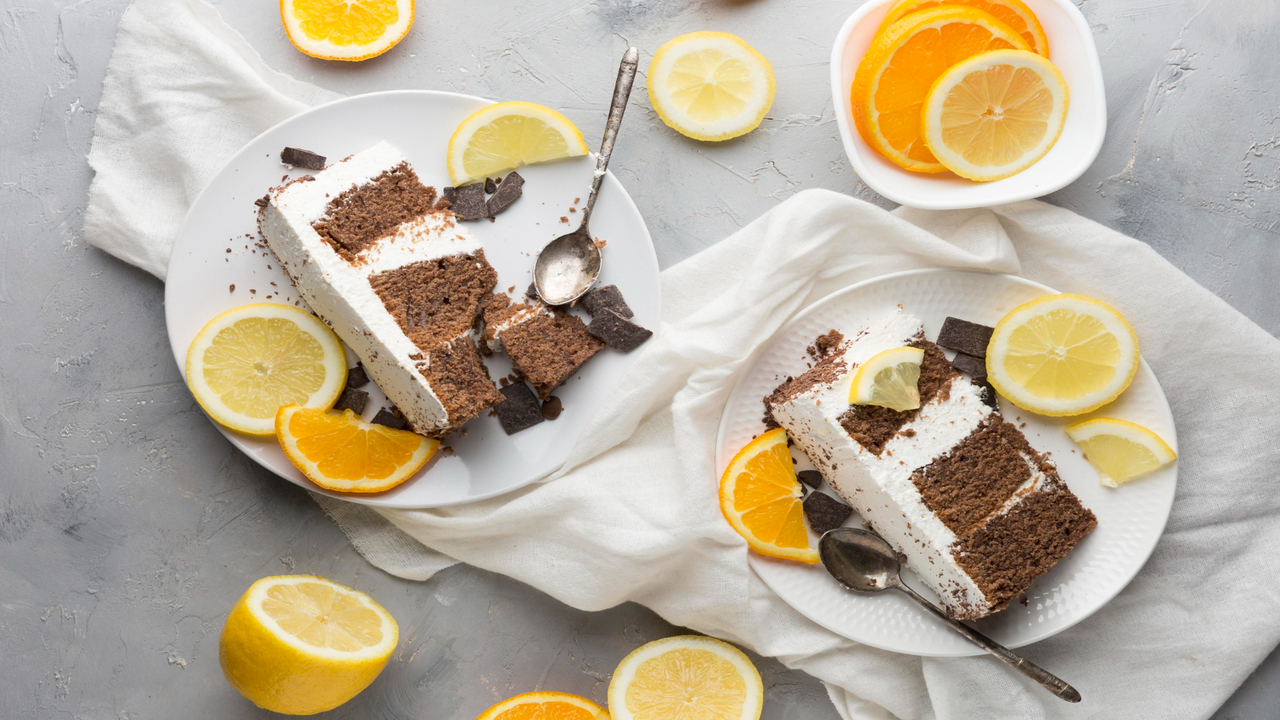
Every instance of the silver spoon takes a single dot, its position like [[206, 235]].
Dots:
[[569, 265], [863, 562]]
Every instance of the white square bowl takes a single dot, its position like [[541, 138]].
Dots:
[[1071, 48]]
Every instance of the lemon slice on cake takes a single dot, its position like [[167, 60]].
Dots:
[[710, 85], [299, 644], [1062, 355], [687, 677], [889, 379], [1120, 450], [247, 362], [506, 135], [346, 29]]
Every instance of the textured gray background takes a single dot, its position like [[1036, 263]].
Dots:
[[128, 526]]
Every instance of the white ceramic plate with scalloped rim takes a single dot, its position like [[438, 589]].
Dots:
[[1071, 48], [1130, 518], [216, 248]]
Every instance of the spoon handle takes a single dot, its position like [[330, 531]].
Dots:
[[621, 93], [1048, 680]]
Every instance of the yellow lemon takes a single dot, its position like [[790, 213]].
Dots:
[[687, 677], [889, 379], [710, 85], [506, 135], [1120, 450]]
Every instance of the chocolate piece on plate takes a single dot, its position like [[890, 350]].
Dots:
[[964, 336], [490, 186], [507, 192], [448, 194], [468, 202], [607, 296], [352, 399], [551, 408], [304, 159], [974, 367], [390, 417], [989, 395], [520, 410], [616, 331], [357, 377], [825, 512], [812, 478]]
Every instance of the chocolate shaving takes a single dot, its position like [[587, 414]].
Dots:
[[389, 417], [606, 297], [964, 336], [617, 331], [505, 193], [263, 201], [304, 159], [812, 478], [490, 186], [353, 400], [552, 407], [468, 202], [520, 410], [357, 377], [825, 512], [974, 367]]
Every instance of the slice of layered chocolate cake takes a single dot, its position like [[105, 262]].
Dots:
[[976, 511], [381, 260], [546, 345]]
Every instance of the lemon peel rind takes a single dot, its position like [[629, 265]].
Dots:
[[1012, 391], [626, 671]]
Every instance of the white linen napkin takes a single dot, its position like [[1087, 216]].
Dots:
[[633, 515]]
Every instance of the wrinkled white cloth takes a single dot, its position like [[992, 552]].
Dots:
[[633, 515]]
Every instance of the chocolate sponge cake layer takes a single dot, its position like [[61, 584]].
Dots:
[[436, 300]]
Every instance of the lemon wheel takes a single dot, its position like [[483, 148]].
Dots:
[[686, 677], [346, 29], [249, 361], [710, 85], [545, 706]]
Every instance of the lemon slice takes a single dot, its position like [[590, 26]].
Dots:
[[299, 644], [710, 85], [889, 379], [1120, 450], [995, 114], [346, 29], [506, 135], [761, 498], [686, 677], [545, 706], [247, 362], [1062, 355], [339, 452]]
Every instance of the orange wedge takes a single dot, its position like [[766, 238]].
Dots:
[[545, 706], [901, 66], [760, 497], [1013, 13], [339, 452], [346, 29]]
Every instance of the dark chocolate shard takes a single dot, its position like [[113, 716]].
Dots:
[[607, 296], [490, 186], [506, 193], [964, 336], [304, 159], [448, 194], [825, 512], [390, 417], [357, 377], [353, 400], [520, 410], [468, 202], [616, 331], [812, 478], [989, 396], [974, 367], [551, 408]]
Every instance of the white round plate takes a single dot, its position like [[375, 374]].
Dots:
[[218, 246], [1130, 518], [1071, 49]]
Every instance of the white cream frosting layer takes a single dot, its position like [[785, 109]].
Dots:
[[879, 487], [339, 291]]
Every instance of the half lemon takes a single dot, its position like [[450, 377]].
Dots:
[[249, 361], [506, 135]]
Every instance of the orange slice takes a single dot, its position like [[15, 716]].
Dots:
[[760, 497], [901, 66], [545, 706], [339, 452], [1013, 13], [346, 29]]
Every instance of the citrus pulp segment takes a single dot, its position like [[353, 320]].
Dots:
[[1013, 13]]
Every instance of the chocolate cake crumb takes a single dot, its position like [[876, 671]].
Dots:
[[564, 218], [964, 336], [873, 426], [490, 186], [233, 287], [552, 407], [263, 201], [507, 192], [304, 159], [352, 399], [519, 409], [359, 216], [357, 377], [606, 297], [974, 367], [825, 512], [468, 202], [389, 417], [617, 331], [825, 344], [812, 478]]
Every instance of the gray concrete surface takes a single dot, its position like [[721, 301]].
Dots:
[[128, 526]]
